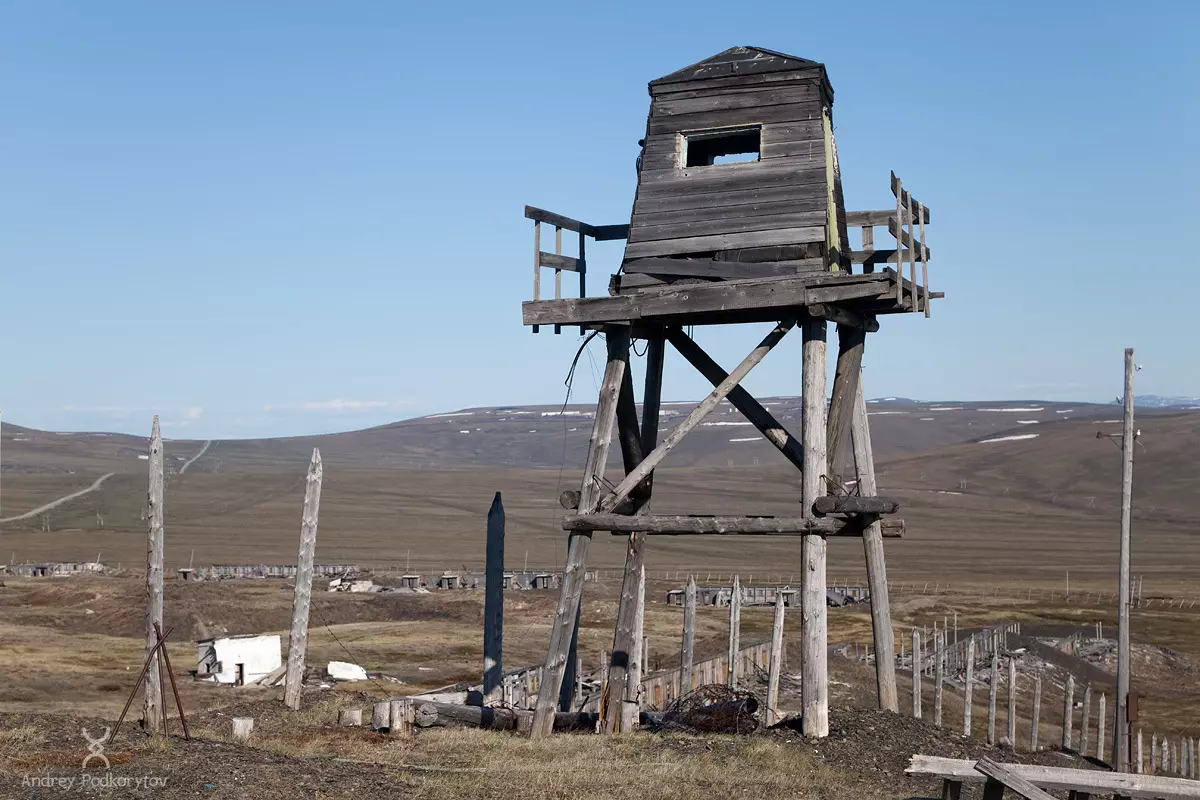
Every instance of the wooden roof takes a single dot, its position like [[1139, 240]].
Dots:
[[737, 61]]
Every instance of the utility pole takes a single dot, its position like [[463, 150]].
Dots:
[[1128, 443]]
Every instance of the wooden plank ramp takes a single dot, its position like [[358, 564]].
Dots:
[[1080, 781]]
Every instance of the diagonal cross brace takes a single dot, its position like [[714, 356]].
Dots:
[[741, 399], [655, 457]]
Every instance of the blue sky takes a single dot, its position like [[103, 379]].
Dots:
[[270, 218]]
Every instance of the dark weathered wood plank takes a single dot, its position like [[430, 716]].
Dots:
[[1008, 777], [721, 210], [707, 268], [725, 241], [854, 504], [607, 233], [707, 120], [858, 218], [851, 340], [559, 261], [695, 88], [732, 224], [801, 196], [558, 220], [717, 101]]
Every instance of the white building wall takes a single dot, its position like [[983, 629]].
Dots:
[[259, 655]]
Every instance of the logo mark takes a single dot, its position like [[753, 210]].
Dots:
[[95, 747]]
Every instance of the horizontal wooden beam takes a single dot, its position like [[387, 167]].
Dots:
[[858, 219], [844, 317], [725, 526], [560, 262], [768, 295], [854, 504], [1063, 778], [726, 241], [883, 256], [706, 268], [558, 220], [608, 233]]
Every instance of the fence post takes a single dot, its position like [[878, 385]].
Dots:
[[1100, 723], [298, 640], [1085, 721], [993, 690], [493, 603], [773, 715], [938, 676], [1068, 711], [967, 687], [1153, 753], [153, 711], [1037, 712], [735, 629], [1012, 702], [1139, 765], [689, 635], [916, 673], [632, 700]]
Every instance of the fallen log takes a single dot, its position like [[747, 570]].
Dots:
[[447, 715]]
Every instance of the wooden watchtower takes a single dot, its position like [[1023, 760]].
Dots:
[[738, 218]]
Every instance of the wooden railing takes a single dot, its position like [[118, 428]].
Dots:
[[558, 261], [907, 224]]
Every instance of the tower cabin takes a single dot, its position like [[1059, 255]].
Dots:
[[738, 199]]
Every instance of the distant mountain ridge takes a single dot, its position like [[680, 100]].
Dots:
[[1165, 401]]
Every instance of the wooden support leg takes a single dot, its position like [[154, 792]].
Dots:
[[571, 590], [813, 616], [881, 608], [845, 389], [634, 444], [689, 636]]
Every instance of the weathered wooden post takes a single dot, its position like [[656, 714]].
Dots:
[[1012, 702], [881, 611], [298, 641], [773, 715], [153, 711], [968, 687], [735, 630], [1068, 712], [350, 717], [381, 715], [689, 635], [1085, 720], [632, 705], [938, 677], [814, 631], [1140, 765], [242, 728], [1037, 713], [1100, 723], [993, 689], [493, 604], [1128, 444], [1154, 753], [401, 717], [916, 673]]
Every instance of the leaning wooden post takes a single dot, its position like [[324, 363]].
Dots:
[[814, 631], [968, 687], [916, 673], [773, 715], [938, 677], [571, 590], [153, 709], [735, 631], [1037, 713], [1068, 712], [298, 641], [881, 611], [993, 690], [689, 635], [1140, 765], [493, 604], [1012, 702]]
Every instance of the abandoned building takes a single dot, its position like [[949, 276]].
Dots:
[[237, 660]]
